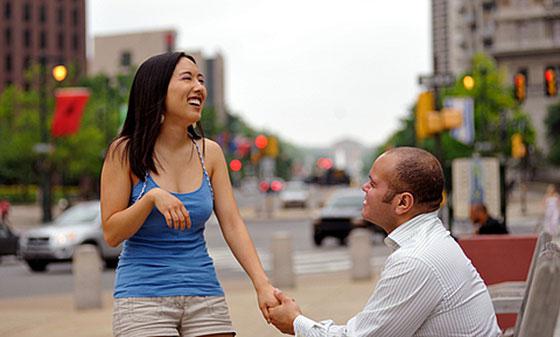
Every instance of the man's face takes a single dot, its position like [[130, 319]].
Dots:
[[377, 209]]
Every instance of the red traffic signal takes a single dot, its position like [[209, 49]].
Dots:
[[261, 142], [325, 163], [550, 82], [235, 165]]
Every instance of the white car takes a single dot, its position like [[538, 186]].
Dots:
[[294, 194], [56, 241]]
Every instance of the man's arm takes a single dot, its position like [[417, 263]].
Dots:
[[405, 296]]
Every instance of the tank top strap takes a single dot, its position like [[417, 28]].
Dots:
[[143, 186], [203, 167]]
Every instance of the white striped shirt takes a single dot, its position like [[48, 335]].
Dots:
[[427, 288]]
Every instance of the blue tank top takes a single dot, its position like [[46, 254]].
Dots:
[[161, 261]]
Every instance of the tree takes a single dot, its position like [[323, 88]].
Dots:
[[552, 122]]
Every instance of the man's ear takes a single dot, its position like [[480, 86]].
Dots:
[[405, 202]]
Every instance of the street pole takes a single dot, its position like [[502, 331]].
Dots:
[[503, 167], [44, 165]]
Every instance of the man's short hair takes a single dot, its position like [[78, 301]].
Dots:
[[418, 172]]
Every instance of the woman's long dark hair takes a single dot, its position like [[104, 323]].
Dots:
[[146, 105]]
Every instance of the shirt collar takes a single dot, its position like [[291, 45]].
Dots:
[[407, 230]]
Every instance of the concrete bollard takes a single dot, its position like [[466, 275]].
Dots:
[[87, 267], [283, 275], [360, 252]]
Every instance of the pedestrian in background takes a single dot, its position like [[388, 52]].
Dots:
[[551, 210], [485, 224], [4, 210], [160, 182]]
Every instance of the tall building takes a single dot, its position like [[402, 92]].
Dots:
[[34, 29], [119, 53], [522, 35], [528, 41]]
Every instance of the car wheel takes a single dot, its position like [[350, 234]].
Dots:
[[318, 239], [37, 266], [111, 263]]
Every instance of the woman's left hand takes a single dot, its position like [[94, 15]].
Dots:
[[266, 298]]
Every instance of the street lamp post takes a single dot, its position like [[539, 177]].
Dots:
[[45, 148]]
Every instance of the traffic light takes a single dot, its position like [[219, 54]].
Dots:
[[520, 86], [261, 141], [550, 82], [518, 149], [424, 106]]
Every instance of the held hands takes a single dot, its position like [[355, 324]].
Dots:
[[284, 315], [175, 213], [267, 300]]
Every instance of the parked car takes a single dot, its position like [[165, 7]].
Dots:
[[294, 194], [57, 241], [8, 241], [340, 215]]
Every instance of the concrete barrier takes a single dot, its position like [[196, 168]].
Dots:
[[361, 253], [281, 253], [87, 268]]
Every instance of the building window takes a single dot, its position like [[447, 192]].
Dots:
[[26, 12], [60, 15], [8, 36], [60, 40], [26, 63], [126, 59], [8, 10], [75, 17], [42, 14], [75, 42], [27, 38], [43, 40], [556, 30], [8, 63]]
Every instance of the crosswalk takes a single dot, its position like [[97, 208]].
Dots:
[[305, 262]]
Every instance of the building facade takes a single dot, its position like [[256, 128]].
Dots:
[[36, 30], [522, 35]]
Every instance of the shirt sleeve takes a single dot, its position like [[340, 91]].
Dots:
[[406, 294]]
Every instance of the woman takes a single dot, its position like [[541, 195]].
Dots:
[[551, 210], [159, 184]]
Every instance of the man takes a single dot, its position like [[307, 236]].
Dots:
[[486, 224], [428, 287]]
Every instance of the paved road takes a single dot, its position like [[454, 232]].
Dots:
[[17, 281]]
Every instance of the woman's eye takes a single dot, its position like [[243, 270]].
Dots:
[[187, 78]]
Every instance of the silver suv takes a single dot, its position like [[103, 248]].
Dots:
[[56, 241]]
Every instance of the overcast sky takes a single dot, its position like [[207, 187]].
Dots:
[[313, 72]]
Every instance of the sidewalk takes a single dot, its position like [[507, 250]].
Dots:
[[327, 296]]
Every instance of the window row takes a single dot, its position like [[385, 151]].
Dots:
[[42, 39], [27, 13]]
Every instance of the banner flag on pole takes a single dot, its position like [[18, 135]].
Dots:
[[69, 108], [465, 133]]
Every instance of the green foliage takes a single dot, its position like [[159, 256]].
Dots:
[[552, 122], [497, 116]]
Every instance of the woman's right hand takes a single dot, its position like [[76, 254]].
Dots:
[[175, 213]]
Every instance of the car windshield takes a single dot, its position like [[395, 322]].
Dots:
[[347, 202], [80, 213]]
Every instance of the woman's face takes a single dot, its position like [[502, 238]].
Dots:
[[186, 93]]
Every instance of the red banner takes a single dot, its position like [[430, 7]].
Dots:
[[69, 108]]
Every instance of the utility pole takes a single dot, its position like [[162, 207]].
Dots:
[[44, 148]]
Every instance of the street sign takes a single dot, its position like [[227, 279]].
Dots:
[[465, 105], [476, 180], [43, 148], [437, 80]]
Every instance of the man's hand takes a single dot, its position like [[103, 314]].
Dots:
[[283, 316]]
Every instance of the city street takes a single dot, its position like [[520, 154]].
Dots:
[[19, 281]]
